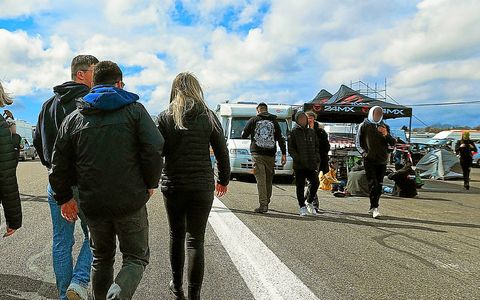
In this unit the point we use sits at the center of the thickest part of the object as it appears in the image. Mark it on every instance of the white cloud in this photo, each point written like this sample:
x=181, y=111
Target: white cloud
x=15, y=8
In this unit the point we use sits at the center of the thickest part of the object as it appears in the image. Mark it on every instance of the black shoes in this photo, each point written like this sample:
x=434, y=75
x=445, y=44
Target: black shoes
x=178, y=293
x=261, y=210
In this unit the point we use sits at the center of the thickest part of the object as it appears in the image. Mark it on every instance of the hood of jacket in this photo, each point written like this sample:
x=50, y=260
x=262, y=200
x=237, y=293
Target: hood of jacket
x=69, y=91
x=267, y=115
x=107, y=98
x=298, y=115
x=370, y=115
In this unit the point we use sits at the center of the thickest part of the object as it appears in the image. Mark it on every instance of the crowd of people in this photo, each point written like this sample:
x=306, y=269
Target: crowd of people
x=105, y=187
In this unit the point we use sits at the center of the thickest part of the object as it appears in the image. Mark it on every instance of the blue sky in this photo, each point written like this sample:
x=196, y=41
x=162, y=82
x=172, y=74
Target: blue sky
x=276, y=51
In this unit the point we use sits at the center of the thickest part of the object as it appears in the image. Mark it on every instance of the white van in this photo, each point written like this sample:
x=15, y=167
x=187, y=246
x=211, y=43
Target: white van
x=234, y=117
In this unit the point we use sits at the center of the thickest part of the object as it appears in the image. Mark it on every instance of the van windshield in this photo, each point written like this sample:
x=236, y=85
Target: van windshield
x=238, y=124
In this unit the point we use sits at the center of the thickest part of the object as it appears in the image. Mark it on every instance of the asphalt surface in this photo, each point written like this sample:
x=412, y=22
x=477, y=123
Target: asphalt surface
x=422, y=248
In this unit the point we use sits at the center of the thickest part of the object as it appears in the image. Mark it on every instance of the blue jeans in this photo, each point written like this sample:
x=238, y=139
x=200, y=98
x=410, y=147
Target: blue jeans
x=63, y=241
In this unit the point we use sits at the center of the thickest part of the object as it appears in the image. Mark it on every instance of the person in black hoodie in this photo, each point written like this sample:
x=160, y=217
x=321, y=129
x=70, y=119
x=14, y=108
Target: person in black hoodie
x=111, y=149
x=372, y=141
x=303, y=147
x=72, y=280
x=465, y=149
x=190, y=128
x=264, y=132
x=9, y=195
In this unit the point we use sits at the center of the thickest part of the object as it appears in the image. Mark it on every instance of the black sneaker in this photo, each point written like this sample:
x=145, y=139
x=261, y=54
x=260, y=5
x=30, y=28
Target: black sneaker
x=179, y=294
x=261, y=210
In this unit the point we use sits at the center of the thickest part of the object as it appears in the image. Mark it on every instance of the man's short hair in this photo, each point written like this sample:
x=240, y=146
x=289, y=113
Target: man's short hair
x=262, y=105
x=82, y=63
x=311, y=114
x=106, y=72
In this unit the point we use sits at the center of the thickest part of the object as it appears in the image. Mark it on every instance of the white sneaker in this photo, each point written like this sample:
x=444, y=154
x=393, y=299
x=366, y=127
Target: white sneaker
x=375, y=213
x=303, y=211
x=311, y=209
x=76, y=292
x=114, y=292
x=370, y=211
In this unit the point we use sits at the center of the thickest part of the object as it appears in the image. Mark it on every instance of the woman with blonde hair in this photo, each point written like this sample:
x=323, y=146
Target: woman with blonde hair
x=190, y=128
x=9, y=195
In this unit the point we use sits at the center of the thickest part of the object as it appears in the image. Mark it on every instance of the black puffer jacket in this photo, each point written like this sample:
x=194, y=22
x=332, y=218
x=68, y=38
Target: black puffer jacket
x=111, y=149
x=324, y=147
x=9, y=195
x=53, y=112
x=303, y=147
x=187, y=153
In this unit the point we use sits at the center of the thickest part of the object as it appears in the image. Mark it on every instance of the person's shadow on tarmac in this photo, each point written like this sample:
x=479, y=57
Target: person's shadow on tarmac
x=14, y=287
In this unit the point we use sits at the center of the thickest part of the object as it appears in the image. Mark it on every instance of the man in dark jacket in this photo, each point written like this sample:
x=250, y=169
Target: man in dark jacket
x=304, y=149
x=72, y=280
x=9, y=195
x=110, y=148
x=372, y=142
x=324, y=148
x=465, y=149
x=264, y=133
x=404, y=179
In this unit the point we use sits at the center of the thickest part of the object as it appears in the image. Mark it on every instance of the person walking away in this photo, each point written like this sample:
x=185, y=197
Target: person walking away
x=264, y=132
x=303, y=148
x=324, y=148
x=111, y=149
x=9, y=194
x=72, y=280
x=372, y=141
x=465, y=149
x=190, y=128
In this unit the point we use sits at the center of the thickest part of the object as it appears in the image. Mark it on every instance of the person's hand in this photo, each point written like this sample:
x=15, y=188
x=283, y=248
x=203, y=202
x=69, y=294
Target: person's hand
x=220, y=190
x=462, y=146
x=364, y=154
x=382, y=130
x=284, y=159
x=9, y=232
x=151, y=192
x=70, y=210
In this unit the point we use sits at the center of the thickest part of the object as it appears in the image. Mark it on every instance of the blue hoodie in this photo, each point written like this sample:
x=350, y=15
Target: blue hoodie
x=108, y=97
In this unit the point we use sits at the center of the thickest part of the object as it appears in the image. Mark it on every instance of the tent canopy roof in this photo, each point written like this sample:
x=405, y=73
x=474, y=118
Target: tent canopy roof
x=349, y=106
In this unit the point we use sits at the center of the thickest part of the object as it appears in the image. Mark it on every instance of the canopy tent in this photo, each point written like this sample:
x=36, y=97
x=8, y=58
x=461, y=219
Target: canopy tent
x=350, y=106
x=322, y=97
x=439, y=164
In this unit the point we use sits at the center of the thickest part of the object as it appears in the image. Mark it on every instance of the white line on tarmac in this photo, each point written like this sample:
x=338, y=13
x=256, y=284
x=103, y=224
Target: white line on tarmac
x=265, y=274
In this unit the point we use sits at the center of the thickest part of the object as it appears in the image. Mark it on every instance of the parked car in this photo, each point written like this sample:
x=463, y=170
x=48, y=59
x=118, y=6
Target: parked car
x=476, y=157
x=27, y=150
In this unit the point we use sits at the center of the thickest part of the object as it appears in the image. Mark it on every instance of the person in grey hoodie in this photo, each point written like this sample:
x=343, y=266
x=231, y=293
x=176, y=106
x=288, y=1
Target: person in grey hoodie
x=372, y=141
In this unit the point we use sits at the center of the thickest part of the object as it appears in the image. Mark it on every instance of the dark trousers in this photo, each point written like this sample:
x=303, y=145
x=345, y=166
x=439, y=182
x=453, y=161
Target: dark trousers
x=132, y=234
x=375, y=174
x=187, y=216
x=301, y=175
x=466, y=167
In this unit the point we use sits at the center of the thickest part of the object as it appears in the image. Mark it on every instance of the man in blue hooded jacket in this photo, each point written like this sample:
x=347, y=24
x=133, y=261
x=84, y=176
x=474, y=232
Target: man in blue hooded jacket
x=373, y=139
x=111, y=149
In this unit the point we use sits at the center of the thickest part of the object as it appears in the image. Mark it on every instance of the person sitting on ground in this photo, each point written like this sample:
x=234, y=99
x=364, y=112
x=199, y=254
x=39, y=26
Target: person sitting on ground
x=405, y=185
